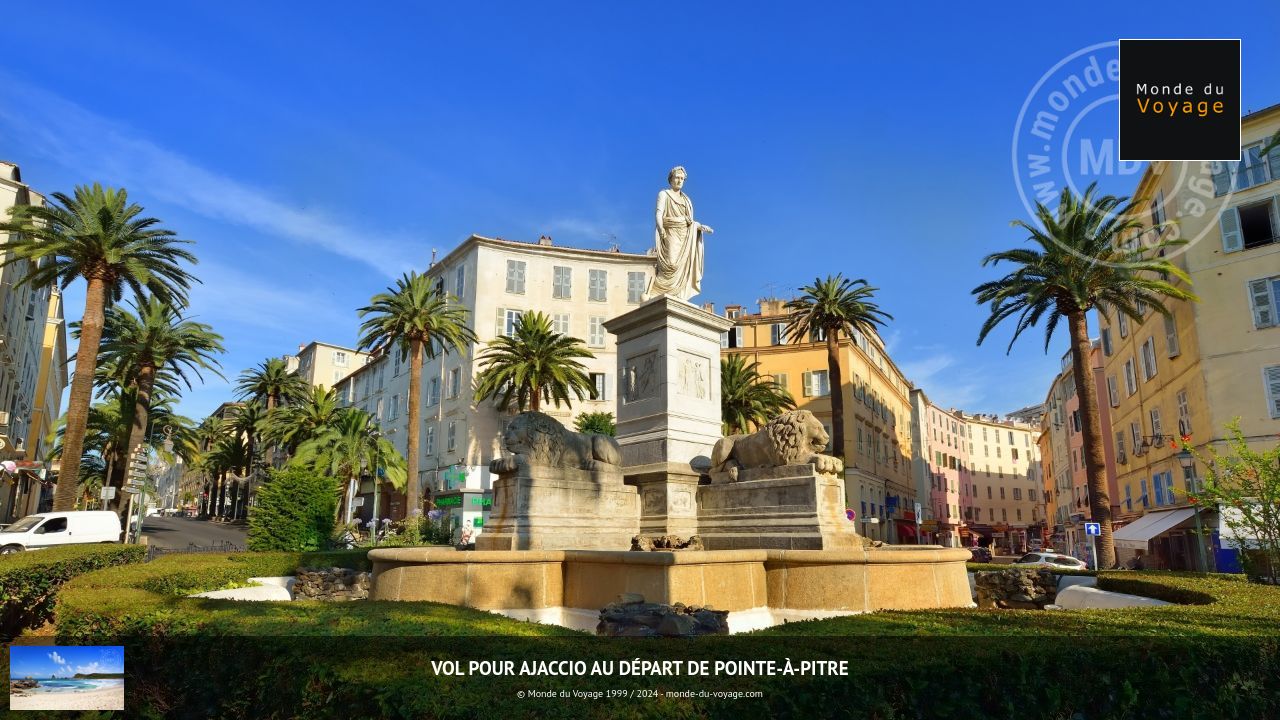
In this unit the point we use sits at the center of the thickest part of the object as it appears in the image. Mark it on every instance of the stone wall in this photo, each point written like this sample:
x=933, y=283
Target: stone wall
x=332, y=584
x=1016, y=588
x=631, y=616
x=647, y=543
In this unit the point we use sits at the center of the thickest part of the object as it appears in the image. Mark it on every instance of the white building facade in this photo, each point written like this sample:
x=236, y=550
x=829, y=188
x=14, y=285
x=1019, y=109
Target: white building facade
x=497, y=281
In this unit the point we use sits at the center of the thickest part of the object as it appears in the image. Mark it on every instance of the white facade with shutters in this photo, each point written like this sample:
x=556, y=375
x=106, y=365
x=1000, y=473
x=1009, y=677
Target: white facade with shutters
x=497, y=280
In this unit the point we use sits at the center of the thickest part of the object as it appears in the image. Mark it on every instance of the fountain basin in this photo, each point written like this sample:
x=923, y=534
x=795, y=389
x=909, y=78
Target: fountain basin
x=758, y=587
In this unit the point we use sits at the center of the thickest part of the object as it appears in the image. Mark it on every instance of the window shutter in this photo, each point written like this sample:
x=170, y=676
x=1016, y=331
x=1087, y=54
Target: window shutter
x=1112, y=392
x=805, y=383
x=1272, y=377
x=500, y=324
x=1263, y=314
x=1229, y=221
x=1171, y=336
x=1157, y=481
x=1273, y=160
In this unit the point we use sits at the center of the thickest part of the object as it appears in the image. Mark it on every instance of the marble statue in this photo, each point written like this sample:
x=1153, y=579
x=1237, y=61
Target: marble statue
x=792, y=438
x=534, y=438
x=678, y=238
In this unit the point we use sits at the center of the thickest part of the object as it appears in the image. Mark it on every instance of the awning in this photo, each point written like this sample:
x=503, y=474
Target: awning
x=1136, y=534
x=906, y=529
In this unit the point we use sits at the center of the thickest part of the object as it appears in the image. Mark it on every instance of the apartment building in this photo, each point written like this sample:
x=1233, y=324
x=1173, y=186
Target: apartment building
x=1066, y=480
x=1184, y=377
x=942, y=472
x=25, y=405
x=1006, y=483
x=879, y=484
x=324, y=365
x=497, y=281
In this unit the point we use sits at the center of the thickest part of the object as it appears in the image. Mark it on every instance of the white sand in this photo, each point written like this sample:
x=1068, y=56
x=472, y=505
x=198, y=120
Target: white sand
x=111, y=698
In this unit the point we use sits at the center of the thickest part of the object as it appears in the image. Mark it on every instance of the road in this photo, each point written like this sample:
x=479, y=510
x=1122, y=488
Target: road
x=178, y=533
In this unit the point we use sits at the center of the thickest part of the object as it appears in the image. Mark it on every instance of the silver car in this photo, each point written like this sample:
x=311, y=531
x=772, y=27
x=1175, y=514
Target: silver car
x=1051, y=561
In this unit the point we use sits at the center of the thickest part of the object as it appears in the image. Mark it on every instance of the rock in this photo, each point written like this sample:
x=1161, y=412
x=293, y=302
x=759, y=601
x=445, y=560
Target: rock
x=1015, y=588
x=677, y=626
x=665, y=543
x=642, y=619
x=630, y=598
x=333, y=584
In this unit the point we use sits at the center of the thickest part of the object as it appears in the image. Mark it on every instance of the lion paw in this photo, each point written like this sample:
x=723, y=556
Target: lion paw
x=826, y=464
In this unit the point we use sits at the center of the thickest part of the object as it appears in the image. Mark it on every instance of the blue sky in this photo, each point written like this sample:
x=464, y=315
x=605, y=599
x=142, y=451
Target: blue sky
x=314, y=155
x=42, y=661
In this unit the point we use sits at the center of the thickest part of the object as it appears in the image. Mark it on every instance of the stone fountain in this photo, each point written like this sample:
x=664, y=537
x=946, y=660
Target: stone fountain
x=768, y=506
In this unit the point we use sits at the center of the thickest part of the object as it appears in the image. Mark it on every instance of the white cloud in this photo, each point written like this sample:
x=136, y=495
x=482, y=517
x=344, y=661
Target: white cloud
x=54, y=656
x=98, y=147
x=93, y=667
x=227, y=293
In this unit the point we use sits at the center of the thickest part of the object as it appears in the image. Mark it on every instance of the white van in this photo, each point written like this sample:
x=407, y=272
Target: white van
x=60, y=528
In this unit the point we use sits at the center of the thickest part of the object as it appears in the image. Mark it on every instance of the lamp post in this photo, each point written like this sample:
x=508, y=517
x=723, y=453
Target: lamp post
x=375, y=435
x=1188, y=462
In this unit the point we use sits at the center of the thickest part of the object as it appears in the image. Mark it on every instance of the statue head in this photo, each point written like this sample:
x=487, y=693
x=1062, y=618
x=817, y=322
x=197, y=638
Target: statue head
x=676, y=177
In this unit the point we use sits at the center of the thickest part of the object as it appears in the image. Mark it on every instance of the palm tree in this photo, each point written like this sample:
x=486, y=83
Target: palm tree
x=421, y=322
x=826, y=309
x=747, y=398
x=1083, y=257
x=248, y=423
x=291, y=425
x=533, y=364
x=99, y=236
x=272, y=382
x=350, y=448
x=136, y=347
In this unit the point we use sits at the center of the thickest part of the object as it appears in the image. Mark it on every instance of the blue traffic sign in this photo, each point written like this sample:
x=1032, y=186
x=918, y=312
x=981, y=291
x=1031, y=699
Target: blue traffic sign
x=1092, y=529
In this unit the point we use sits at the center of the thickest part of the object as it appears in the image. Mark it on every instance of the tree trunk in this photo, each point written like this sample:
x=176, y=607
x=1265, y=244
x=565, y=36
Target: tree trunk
x=837, y=393
x=1094, y=463
x=141, y=413
x=413, y=499
x=64, y=497
x=535, y=400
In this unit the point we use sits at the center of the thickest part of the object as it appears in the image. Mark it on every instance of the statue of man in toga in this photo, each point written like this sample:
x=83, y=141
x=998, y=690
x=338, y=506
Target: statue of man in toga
x=679, y=242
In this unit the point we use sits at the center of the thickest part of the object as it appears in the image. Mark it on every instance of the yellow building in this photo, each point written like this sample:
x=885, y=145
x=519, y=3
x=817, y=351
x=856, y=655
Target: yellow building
x=324, y=365
x=877, y=407
x=51, y=380
x=1212, y=361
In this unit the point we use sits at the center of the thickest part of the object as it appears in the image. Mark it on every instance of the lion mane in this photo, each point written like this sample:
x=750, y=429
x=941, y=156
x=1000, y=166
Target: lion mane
x=793, y=438
x=534, y=438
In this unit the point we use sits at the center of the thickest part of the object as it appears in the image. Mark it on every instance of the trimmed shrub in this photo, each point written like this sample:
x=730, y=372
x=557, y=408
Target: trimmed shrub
x=294, y=513
x=29, y=581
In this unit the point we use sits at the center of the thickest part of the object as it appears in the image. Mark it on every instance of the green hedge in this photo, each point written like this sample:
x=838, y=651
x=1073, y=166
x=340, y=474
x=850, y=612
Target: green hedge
x=294, y=512
x=980, y=567
x=1217, y=657
x=29, y=581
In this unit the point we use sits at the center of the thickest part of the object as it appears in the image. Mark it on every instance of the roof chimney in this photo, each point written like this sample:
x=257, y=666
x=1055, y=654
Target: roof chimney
x=709, y=307
x=544, y=240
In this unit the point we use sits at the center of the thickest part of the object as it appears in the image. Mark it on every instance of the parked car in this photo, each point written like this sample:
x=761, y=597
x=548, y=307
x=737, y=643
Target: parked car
x=1051, y=561
x=980, y=554
x=60, y=528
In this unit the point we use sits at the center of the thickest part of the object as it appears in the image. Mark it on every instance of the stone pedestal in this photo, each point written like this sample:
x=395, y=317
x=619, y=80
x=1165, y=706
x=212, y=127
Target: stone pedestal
x=783, y=508
x=544, y=508
x=668, y=406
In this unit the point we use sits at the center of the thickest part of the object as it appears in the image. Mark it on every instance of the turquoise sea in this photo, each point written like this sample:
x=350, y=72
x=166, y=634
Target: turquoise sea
x=69, y=685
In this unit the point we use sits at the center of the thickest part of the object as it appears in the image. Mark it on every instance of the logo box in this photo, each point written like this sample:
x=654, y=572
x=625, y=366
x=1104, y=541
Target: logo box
x=1180, y=100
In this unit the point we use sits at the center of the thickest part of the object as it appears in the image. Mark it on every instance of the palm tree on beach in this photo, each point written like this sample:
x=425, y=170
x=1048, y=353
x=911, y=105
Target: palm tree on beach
x=824, y=311
x=1084, y=257
x=99, y=236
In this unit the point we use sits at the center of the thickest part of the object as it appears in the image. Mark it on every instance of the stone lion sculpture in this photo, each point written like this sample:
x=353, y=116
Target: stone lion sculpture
x=793, y=438
x=534, y=438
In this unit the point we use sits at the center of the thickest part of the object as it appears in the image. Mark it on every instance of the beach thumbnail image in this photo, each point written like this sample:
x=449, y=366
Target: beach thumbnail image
x=66, y=677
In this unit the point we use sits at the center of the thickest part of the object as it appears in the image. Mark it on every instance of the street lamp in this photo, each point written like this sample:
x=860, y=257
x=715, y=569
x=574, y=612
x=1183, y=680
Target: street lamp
x=1188, y=461
x=375, y=435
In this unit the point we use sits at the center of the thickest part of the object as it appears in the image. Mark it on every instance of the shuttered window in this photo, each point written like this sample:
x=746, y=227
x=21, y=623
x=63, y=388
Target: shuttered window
x=1264, y=298
x=515, y=276
x=561, y=282
x=1271, y=377
x=1112, y=392
x=598, y=281
x=1171, y=337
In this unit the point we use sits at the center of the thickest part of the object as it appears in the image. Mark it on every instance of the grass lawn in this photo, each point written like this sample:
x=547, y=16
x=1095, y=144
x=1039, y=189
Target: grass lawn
x=1214, y=655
